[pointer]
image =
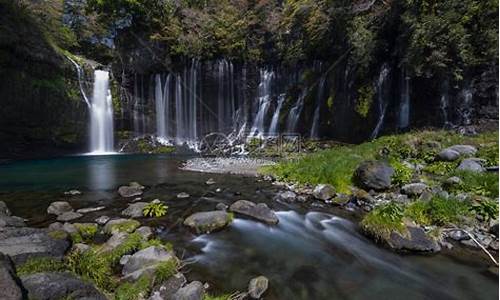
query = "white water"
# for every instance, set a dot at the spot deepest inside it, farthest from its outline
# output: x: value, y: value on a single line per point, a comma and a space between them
x: 101, y: 115
x: 319, y: 98
x: 258, y: 126
x: 381, y: 101
x: 79, y: 73
x: 444, y: 103
x: 294, y: 114
x: 466, y: 106
x: 273, y: 128
x: 404, y: 108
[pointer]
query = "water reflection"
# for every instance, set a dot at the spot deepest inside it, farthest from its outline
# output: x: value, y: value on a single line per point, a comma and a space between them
x: 101, y: 173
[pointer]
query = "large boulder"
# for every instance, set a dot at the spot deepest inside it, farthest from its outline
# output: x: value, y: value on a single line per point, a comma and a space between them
x: 11, y: 221
x: 59, y: 207
x: 455, y: 152
x: 414, y: 189
x: 324, y: 192
x: 55, y: 286
x: 258, y: 211
x: 9, y: 288
x: 206, y: 222
x: 192, y: 291
x: 464, y: 149
x: 114, y: 241
x: 131, y: 190
x: 146, y: 261
x: 415, y: 240
x: 257, y: 287
x: 21, y: 243
x: 374, y: 175
x: 121, y: 225
x: 448, y: 155
x: 134, y: 210
x: 471, y: 164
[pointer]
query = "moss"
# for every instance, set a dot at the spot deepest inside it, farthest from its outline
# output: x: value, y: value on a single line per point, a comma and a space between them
x: 40, y: 264
x: 133, y: 291
x: 125, y: 226
x: 383, y: 220
x: 230, y: 217
x: 93, y: 266
x: 85, y: 232
x: 58, y: 234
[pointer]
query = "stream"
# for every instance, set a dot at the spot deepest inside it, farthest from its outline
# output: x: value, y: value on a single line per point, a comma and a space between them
x: 315, y: 252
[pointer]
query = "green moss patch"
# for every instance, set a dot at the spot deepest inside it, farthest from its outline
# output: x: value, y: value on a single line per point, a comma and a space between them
x: 40, y: 264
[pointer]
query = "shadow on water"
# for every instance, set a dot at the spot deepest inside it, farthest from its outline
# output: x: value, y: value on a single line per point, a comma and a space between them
x: 308, y: 255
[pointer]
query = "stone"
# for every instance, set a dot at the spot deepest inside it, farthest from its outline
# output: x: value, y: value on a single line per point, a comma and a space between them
x: 58, y: 285
x: 448, y: 155
x: 183, y: 195
x: 168, y: 288
x: 114, y: 241
x: 416, y: 240
x: 206, y: 222
x: 287, y: 196
x: 146, y: 260
x: 471, y: 164
x: 131, y: 190
x: 121, y: 225
x: 464, y: 149
x: 192, y: 291
x: 221, y: 206
x: 59, y: 207
x: 458, y: 235
x: 257, y: 287
x: 374, y: 175
x: 341, y: 199
x: 21, y: 243
x: 124, y: 259
x: 210, y: 181
x: 69, y: 216
x: 90, y: 209
x: 55, y: 226
x: 11, y: 221
x: 362, y: 197
x: 494, y: 229
x: 494, y: 245
x: 69, y: 228
x: 469, y: 243
x: 102, y: 220
x: 258, y: 211
x: 414, y: 189
x: 324, y: 192
x: 4, y: 210
x: 80, y: 247
x: 73, y: 193
x: 9, y: 287
x: 145, y: 232
x: 134, y: 210
x: 454, y: 180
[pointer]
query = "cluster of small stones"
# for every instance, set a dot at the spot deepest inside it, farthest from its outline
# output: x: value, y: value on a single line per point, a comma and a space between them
x: 374, y: 188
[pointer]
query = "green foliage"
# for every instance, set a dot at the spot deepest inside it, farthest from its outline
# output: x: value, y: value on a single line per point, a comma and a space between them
x: 418, y: 211
x: 383, y: 220
x: 126, y: 226
x: 487, y: 208
x: 93, y: 266
x: 220, y: 297
x: 155, y: 209
x: 85, y: 233
x: 489, y: 152
x: 165, y: 270
x: 133, y: 291
x: 446, y: 211
x: 132, y: 243
x: 364, y: 101
x: 402, y: 173
x: 440, y: 168
x: 40, y: 264
x: 58, y: 234
x: 477, y: 183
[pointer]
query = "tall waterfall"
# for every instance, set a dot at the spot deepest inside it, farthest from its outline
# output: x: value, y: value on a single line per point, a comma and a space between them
x: 162, y: 105
x: 101, y: 115
x: 294, y: 114
x: 226, y: 106
x: 319, y: 98
x: 404, y: 106
x: 79, y: 74
x: 258, y: 126
x: 444, y: 102
x: 381, y: 100
x: 273, y: 128
x: 465, y: 108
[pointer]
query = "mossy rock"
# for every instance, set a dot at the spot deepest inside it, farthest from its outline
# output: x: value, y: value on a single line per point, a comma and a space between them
x: 121, y: 225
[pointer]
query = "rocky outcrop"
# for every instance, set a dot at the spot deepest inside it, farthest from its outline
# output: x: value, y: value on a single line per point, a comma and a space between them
x: 55, y: 286
x: 9, y: 286
x: 373, y: 175
x: 206, y: 222
x: 258, y: 211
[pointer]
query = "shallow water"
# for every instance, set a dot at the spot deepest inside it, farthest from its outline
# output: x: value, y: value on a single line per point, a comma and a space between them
x: 308, y: 255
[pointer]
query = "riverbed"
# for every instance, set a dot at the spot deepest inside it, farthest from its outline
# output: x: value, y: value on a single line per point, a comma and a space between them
x: 315, y: 252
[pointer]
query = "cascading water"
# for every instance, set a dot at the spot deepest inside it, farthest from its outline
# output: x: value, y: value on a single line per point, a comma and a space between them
x: 294, y: 114
x: 101, y: 115
x: 319, y: 98
x: 404, y: 106
x: 381, y: 100
x: 273, y: 128
x: 258, y: 127
x: 444, y: 102
x: 79, y: 73
x: 465, y: 109
x: 162, y: 104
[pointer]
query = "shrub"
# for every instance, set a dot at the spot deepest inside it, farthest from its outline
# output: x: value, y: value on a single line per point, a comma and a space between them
x: 155, y: 209
x: 402, y: 173
x: 93, y: 266
x: 418, y: 211
x: 440, y: 168
x: 165, y: 270
x: 478, y: 183
x: 133, y: 291
x: 487, y: 208
x: 85, y: 233
x: 383, y: 220
x: 40, y: 264
x: 445, y: 211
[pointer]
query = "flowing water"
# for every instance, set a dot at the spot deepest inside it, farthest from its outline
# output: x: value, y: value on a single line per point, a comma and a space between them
x: 274, y: 127
x: 404, y: 106
x: 264, y: 93
x: 319, y: 98
x: 313, y: 253
x: 101, y: 115
x: 294, y: 114
x: 382, y: 102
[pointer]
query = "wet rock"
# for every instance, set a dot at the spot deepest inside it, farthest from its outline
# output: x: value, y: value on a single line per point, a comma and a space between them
x: 258, y: 211
x: 458, y: 235
x: 221, y: 206
x: 89, y: 209
x: 471, y: 164
x: 206, y: 222
x: 114, y: 241
x: 167, y: 289
x: 469, y: 243
x: 69, y: 228
x: 21, y: 243
x: 494, y: 229
x: 73, y: 193
x: 192, y: 291
x: 324, y: 192
x: 69, y: 216
x: 464, y: 149
x: 493, y: 245
x: 144, y: 261
x: 287, y: 196
x: 11, y: 221
x: 4, y: 210
x: 218, y: 190
x: 374, y: 175
x: 121, y: 225
x: 448, y: 155
x: 414, y: 189
x: 341, y: 199
x: 55, y: 226
x: 362, y: 197
x: 210, y: 181
x: 145, y: 232
x: 9, y: 287
x: 55, y: 286
x: 59, y: 207
x: 134, y: 210
x: 257, y: 287
x: 102, y: 220
x: 131, y: 190
x: 416, y: 240
x: 183, y: 195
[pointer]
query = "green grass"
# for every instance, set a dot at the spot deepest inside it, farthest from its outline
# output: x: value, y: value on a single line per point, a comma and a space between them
x: 91, y: 265
x: 85, y: 233
x: 40, y: 264
x: 165, y: 270
x: 418, y: 211
x: 477, y: 183
x: 133, y: 291
x: 444, y: 211
x: 383, y: 220
x: 402, y: 174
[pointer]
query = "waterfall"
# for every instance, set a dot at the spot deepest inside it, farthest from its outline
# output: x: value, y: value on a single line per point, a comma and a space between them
x: 444, y: 102
x: 101, y: 115
x: 179, y: 115
x: 79, y: 74
x: 466, y: 105
x: 160, y: 109
x: 273, y: 129
x: 258, y: 127
x: 381, y: 100
x: 226, y: 107
x: 294, y: 114
x: 404, y: 107
x: 319, y: 97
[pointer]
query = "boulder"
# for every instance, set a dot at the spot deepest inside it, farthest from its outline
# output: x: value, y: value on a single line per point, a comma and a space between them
x: 21, y: 243
x: 131, y: 190
x: 102, y: 220
x: 146, y: 260
x: 464, y: 149
x: 4, y: 210
x: 287, y: 196
x: 324, y: 192
x: 69, y: 216
x: 414, y: 189
x: 134, y: 210
x: 167, y: 289
x: 145, y: 232
x: 121, y: 225
x: 80, y: 247
x: 258, y: 211
x: 9, y: 288
x: 458, y: 235
x: 257, y: 287
x: 374, y: 175
x: 221, y: 206
x: 448, y: 155
x: 114, y: 241
x: 416, y: 240
x: 55, y: 286
x: 59, y: 207
x: 192, y: 291
x: 471, y: 164
x: 494, y: 229
x: 11, y: 221
x: 206, y: 222
x: 454, y: 180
